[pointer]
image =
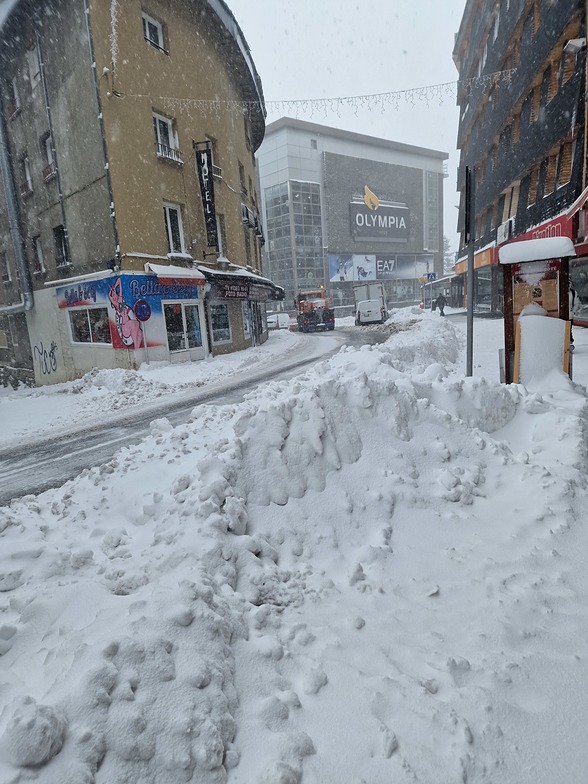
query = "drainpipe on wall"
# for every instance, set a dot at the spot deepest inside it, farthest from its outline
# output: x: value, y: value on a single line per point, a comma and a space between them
x: 102, y: 131
x: 27, y: 301
x: 50, y: 124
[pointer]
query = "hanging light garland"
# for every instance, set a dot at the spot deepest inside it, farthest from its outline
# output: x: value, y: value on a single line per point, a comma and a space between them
x: 434, y: 93
x: 114, y: 11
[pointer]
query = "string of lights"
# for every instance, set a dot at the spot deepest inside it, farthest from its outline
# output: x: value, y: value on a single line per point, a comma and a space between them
x: 434, y: 93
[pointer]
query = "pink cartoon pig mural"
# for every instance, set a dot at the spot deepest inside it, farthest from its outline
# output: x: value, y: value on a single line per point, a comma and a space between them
x: 127, y: 327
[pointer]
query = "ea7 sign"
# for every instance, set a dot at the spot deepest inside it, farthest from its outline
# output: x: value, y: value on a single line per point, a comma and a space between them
x: 377, y: 220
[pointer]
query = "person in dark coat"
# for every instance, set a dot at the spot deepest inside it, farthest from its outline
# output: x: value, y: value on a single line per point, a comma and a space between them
x: 440, y: 303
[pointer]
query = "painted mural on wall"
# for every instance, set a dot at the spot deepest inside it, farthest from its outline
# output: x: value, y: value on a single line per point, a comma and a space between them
x: 359, y: 268
x: 123, y: 310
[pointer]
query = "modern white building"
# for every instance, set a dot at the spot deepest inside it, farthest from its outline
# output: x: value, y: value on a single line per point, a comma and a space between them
x: 341, y: 208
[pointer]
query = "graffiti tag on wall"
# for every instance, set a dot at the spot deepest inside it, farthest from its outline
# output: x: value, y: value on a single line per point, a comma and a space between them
x: 47, y: 359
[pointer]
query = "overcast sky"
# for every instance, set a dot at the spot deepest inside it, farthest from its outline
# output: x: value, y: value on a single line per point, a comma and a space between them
x: 336, y: 48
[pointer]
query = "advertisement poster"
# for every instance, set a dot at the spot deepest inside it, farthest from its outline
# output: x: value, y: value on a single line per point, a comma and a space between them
x: 119, y: 295
x: 536, y: 281
x: 354, y: 268
x: 362, y: 268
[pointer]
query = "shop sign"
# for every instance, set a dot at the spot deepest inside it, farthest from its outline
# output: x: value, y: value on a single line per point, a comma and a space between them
x: 374, y: 219
x: 259, y: 293
x: 242, y: 290
x: 236, y: 290
x: 557, y: 227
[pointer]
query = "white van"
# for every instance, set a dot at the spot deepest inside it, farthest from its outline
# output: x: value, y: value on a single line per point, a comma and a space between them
x: 370, y: 311
x: 278, y: 321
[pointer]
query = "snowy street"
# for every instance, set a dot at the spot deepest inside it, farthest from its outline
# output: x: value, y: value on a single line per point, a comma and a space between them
x: 372, y: 571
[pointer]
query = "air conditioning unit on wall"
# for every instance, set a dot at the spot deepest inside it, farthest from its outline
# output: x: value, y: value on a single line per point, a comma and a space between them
x: 505, y: 231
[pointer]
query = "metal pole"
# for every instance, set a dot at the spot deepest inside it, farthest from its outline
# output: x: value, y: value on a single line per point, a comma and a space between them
x: 470, y: 226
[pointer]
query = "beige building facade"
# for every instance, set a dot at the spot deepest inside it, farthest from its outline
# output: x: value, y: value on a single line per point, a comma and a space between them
x: 129, y: 218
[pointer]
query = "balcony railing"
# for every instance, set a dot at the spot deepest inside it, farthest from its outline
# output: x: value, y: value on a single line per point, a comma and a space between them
x: 168, y: 153
x: 12, y: 109
x: 49, y: 171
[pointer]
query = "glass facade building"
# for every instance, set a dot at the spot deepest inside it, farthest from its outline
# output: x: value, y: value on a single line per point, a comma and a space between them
x: 314, y: 182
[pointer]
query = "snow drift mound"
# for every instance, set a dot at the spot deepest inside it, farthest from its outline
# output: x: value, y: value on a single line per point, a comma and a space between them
x: 199, y: 608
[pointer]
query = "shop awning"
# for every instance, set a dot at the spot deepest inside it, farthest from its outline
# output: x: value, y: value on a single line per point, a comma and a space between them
x: 171, y: 275
x: 241, y: 283
x: 536, y: 250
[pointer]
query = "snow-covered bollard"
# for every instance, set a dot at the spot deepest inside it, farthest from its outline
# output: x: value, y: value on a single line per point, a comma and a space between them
x: 35, y: 733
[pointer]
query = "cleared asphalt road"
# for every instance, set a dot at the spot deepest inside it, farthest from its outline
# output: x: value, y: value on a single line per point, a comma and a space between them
x: 38, y: 466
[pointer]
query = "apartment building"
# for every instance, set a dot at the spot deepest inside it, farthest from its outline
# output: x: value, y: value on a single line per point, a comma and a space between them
x: 522, y: 130
x: 130, y: 226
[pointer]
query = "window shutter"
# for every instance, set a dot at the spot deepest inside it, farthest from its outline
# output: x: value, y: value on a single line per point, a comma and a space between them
x: 533, y: 186
x: 569, y: 66
x: 516, y: 129
x: 551, y: 170
x: 536, y: 16
x: 565, y: 171
x: 535, y: 103
x: 553, y: 82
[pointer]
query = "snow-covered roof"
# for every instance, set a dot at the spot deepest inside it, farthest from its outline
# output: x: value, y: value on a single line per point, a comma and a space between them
x: 536, y: 250
x: 6, y: 7
x: 171, y: 271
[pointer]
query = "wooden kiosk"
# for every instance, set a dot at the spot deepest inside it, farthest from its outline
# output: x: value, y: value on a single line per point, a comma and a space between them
x: 536, y: 281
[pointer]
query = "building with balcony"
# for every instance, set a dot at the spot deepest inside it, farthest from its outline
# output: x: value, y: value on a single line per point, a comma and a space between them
x: 343, y: 208
x: 522, y: 77
x: 129, y: 216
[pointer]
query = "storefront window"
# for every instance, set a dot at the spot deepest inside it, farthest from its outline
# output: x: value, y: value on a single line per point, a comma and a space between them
x: 193, y: 332
x: 246, y: 312
x: 219, y: 320
x: 90, y: 325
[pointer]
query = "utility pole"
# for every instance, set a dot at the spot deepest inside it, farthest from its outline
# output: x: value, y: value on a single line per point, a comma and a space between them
x: 469, y: 237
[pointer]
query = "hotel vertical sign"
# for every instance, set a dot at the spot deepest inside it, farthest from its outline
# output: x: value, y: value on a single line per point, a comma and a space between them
x: 204, y: 164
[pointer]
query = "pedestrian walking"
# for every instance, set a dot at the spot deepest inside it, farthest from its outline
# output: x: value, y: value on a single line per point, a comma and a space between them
x: 440, y: 302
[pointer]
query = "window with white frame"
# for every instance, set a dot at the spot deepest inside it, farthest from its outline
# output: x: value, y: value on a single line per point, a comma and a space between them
x: 153, y: 32
x: 246, y: 314
x: 62, y: 258
x: 13, y: 106
x: 90, y: 325
x: 166, y: 139
x: 38, y: 257
x: 219, y: 322
x: 4, y: 268
x: 182, y: 324
x: 34, y: 66
x: 172, y: 214
x: 48, y: 156
x: 13, y: 331
x: 26, y: 182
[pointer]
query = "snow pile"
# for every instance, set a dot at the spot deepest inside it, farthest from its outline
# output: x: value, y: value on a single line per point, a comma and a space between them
x: 364, y: 574
x: 26, y: 413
